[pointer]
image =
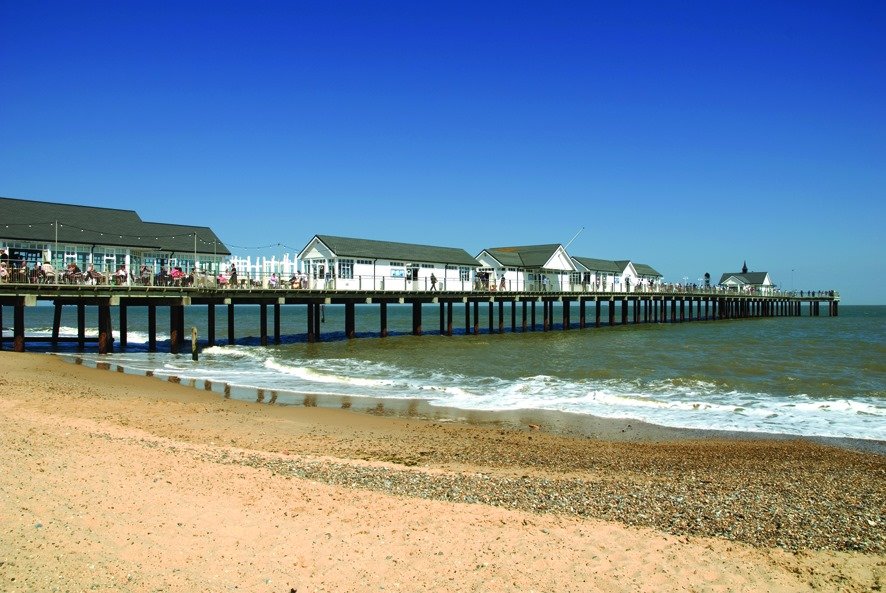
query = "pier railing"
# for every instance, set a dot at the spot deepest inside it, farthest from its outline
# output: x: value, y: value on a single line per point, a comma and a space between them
x: 202, y: 281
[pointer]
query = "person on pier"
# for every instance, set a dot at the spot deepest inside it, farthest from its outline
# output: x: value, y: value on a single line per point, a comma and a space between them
x: 433, y: 282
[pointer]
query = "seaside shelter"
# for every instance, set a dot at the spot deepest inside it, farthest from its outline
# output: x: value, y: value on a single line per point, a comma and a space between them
x: 758, y: 282
x: 525, y: 268
x: 345, y: 263
x: 35, y: 232
x: 744, y: 281
x: 597, y: 275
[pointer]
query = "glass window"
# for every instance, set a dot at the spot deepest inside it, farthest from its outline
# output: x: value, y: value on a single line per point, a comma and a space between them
x: 464, y: 273
x: 346, y: 268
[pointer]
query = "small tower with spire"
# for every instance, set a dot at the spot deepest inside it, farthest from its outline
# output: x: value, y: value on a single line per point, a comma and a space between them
x: 744, y: 267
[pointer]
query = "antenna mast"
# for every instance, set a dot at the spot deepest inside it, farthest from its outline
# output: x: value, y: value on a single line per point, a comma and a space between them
x: 574, y: 237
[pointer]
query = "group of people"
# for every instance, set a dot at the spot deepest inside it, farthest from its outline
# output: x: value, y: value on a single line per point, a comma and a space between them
x: 485, y: 281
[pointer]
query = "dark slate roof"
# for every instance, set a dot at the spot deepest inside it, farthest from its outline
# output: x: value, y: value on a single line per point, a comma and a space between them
x: 754, y: 278
x: 525, y: 256
x: 30, y: 220
x: 389, y: 250
x: 646, y: 270
x: 599, y: 265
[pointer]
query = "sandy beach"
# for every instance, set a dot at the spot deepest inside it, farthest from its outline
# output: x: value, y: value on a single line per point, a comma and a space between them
x: 115, y: 482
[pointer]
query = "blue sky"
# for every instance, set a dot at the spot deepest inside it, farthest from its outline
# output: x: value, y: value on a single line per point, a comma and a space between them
x: 687, y: 135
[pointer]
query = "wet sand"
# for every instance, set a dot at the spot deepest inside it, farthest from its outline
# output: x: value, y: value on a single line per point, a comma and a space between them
x: 114, y: 482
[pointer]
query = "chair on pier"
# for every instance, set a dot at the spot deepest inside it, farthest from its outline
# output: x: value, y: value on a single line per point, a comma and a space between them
x: 96, y: 277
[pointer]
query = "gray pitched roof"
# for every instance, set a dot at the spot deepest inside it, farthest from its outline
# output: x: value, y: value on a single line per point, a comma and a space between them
x: 646, y: 270
x: 754, y: 278
x: 599, y: 265
x: 31, y: 220
x: 524, y: 256
x: 389, y: 250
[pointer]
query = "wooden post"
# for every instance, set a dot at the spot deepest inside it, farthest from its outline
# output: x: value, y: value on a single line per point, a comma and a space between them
x: 524, y: 315
x: 56, y: 324
x: 611, y: 306
x: 350, y: 320
x: 193, y: 343
x: 682, y: 309
x: 567, y: 313
x: 624, y: 310
x: 674, y: 310
x: 18, y: 326
x: 597, y: 312
x: 490, y: 315
x: 277, y: 322
x: 310, y: 321
x: 318, y: 317
x: 467, y: 318
x: 532, y: 327
x: 442, y: 318
x: 210, y: 324
x: 263, y: 323
x: 231, y: 337
x: 501, y: 317
x: 123, y: 332
x: 152, y: 328
x: 636, y: 304
x: 449, y: 318
x: 105, y: 338
x: 416, y: 318
x: 582, y: 307
x: 476, y: 317
x: 513, y: 316
x: 174, y: 337
x: 1, y: 327
x: 546, y: 323
x: 81, y: 326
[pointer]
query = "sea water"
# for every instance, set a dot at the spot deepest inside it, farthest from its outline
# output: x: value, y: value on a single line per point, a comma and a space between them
x: 812, y: 376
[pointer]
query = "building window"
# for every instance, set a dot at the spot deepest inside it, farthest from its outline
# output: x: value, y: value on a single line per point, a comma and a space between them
x: 428, y: 266
x: 464, y: 273
x: 364, y: 262
x: 451, y: 267
x: 397, y: 264
x: 346, y: 268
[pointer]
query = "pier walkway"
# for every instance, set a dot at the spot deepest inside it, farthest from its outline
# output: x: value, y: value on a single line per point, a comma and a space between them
x: 522, y: 311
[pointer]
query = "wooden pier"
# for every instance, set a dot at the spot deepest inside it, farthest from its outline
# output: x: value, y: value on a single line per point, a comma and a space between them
x: 528, y: 311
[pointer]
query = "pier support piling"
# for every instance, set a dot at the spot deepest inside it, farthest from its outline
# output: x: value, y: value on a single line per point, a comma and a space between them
x: 152, y: 328
x: 123, y: 329
x: 18, y: 326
